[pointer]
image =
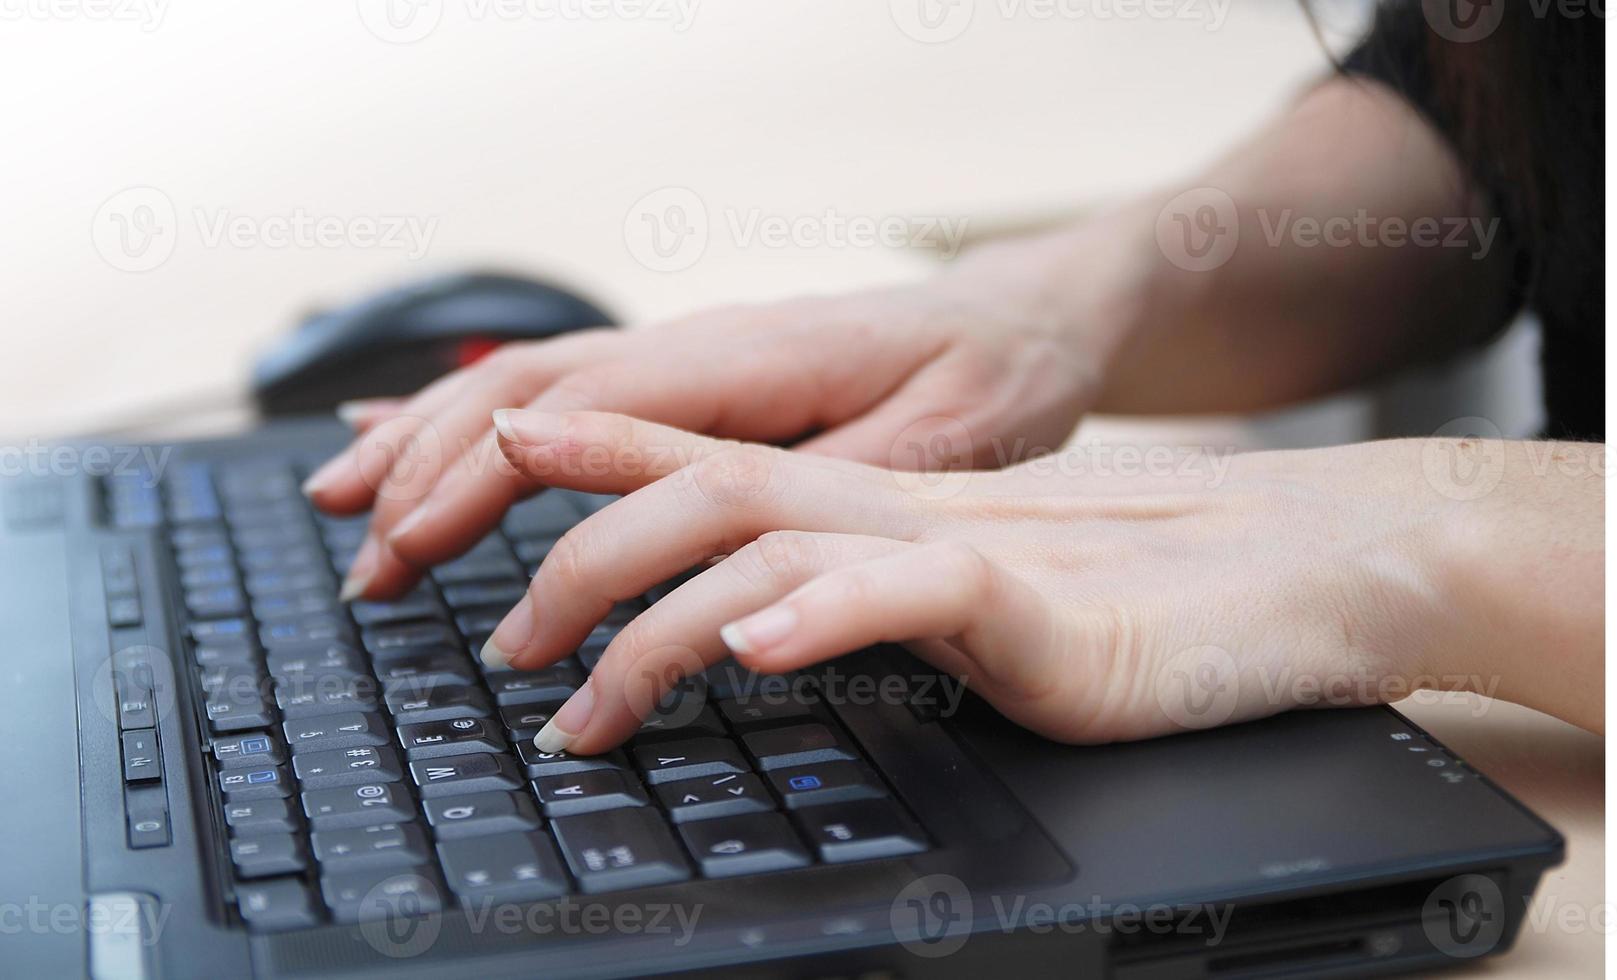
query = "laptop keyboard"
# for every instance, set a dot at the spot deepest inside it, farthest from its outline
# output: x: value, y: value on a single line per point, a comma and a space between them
x: 365, y: 750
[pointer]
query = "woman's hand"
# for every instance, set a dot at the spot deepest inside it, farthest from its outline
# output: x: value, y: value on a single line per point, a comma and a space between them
x: 869, y: 377
x: 1088, y: 606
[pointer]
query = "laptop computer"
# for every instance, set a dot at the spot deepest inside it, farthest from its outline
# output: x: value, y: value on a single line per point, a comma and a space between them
x: 216, y: 770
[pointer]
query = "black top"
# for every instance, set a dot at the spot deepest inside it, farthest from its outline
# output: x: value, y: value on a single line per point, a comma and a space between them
x: 1521, y: 97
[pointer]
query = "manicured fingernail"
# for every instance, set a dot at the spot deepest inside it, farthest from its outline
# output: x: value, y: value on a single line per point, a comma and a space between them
x: 493, y: 656
x: 513, y: 633
x: 360, y: 572
x: 565, y: 724
x: 416, y: 518
x: 759, y: 631
x: 320, y: 478
x: 353, y: 413
x: 527, y: 427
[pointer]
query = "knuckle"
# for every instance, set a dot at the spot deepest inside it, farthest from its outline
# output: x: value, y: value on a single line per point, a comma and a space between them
x: 962, y: 561
x: 742, y: 478
x: 566, y: 562
x: 578, y: 390
x: 778, y: 556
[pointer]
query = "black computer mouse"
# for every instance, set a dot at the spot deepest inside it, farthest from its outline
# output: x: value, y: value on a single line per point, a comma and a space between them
x: 393, y: 343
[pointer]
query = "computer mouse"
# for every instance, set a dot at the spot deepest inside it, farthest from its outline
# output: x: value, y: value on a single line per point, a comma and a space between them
x: 395, y: 342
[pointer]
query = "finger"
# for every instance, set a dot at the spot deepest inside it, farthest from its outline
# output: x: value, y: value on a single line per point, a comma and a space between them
x: 943, y: 591
x: 712, y: 507
x: 361, y: 414
x: 679, y: 636
x: 597, y: 452
x: 913, y: 416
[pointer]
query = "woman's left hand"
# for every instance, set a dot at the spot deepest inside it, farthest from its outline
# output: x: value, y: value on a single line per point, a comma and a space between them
x: 1088, y: 599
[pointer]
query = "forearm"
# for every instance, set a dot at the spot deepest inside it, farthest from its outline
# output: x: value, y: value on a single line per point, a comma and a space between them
x: 1321, y: 291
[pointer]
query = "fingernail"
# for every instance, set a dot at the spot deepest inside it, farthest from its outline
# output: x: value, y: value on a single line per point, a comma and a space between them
x: 354, y: 412
x: 513, y: 633
x: 493, y: 656
x: 759, y: 631
x: 360, y: 572
x: 319, y: 478
x: 411, y: 521
x: 527, y: 427
x: 565, y: 724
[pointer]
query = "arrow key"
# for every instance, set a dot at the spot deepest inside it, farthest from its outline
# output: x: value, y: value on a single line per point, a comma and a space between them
x: 714, y: 796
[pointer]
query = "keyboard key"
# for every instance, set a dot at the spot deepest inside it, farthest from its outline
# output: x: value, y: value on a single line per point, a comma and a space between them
x: 825, y: 782
x: 423, y: 671
x: 347, y: 767
x: 455, y: 775
x: 295, y: 605
x: 458, y: 737
x: 221, y: 655
x: 537, y: 763
x: 220, y: 629
x: 744, y: 845
x: 477, y: 569
x: 276, y: 905
x: 861, y: 830
x: 587, y: 792
x: 382, y: 893
x: 547, y: 515
x: 264, y: 855
x: 507, y: 593
x: 358, y: 806
x: 624, y: 848
x: 234, y: 710
x: 455, y: 817
x: 714, y: 796
x: 437, y: 704
x: 310, y: 695
x: 518, y: 867
x: 251, y: 751
x: 142, y: 760
x: 798, y: 745
x: 555, y: 683
x: 758, y: 711
x: 216, y: 602
x: 378, y: 846
x: 146, y: 807
x: 240, y: 785
x: 261, y: 816
x: 316, y: 658
x: 308, y: 629
x: 262, y: 584
x: 420, y: 605
x: 348, y: 730
x: 680, y: 723
x: 523, y: 721
x: 688, y: 758
x: 391, y: 641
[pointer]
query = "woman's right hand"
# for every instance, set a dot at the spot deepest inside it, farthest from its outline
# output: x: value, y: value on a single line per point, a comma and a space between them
x: 902, y: 378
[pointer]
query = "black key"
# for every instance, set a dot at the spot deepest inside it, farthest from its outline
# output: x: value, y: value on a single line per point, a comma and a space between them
x: 688, y: 758
x: 347, y: 767
x: 255, y: 751
x: 384, y: 845
x: 256, y: 816
x: 587, y: 792
x: 202, y: 554
x: 343, y: 731
x: 264, y: 855
x: 476, y: 568
x: 225, y: 654
x: 825, y: 782
x: 391, y: 641
x: 295, y: 605
x: 282, y: 558
x: 624, y: 848
x: 744, y: 845
x: 411, y: 707
x: 554, y: 683
x: 861, y: 830
x: 457, y: 737
x: 123, y: 611
x: 142, y: 761
x: 147, y: 810
x: 519, y: 867
x: 507, y: 593
x: 261, y: 584
x: 309, y: 629
x: 678, y: 722
x: 538, y: 763
x: 220, y: 630
x: 420, y: 605
x: 316, y: 658
x: 216, y: 602
x: 798, y: 745
x: 275, y: 905
x: 310, y: 695
x: 234, y: 709
x: 461, y: 774
x: 382, y: 893
x: 534, y: 550
x: 547, y: 515
x: 523, y: 721
x: 208, y: 576
x: 758, y: 711
x: 422, y: 671
x: 358, y: 806
x: 714, y: 796
x: 454, y: 817
x: 240, y: 785
x: 480, y: 621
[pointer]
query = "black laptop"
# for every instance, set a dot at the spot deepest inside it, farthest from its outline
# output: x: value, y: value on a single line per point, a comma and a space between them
x: 214, y: 769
